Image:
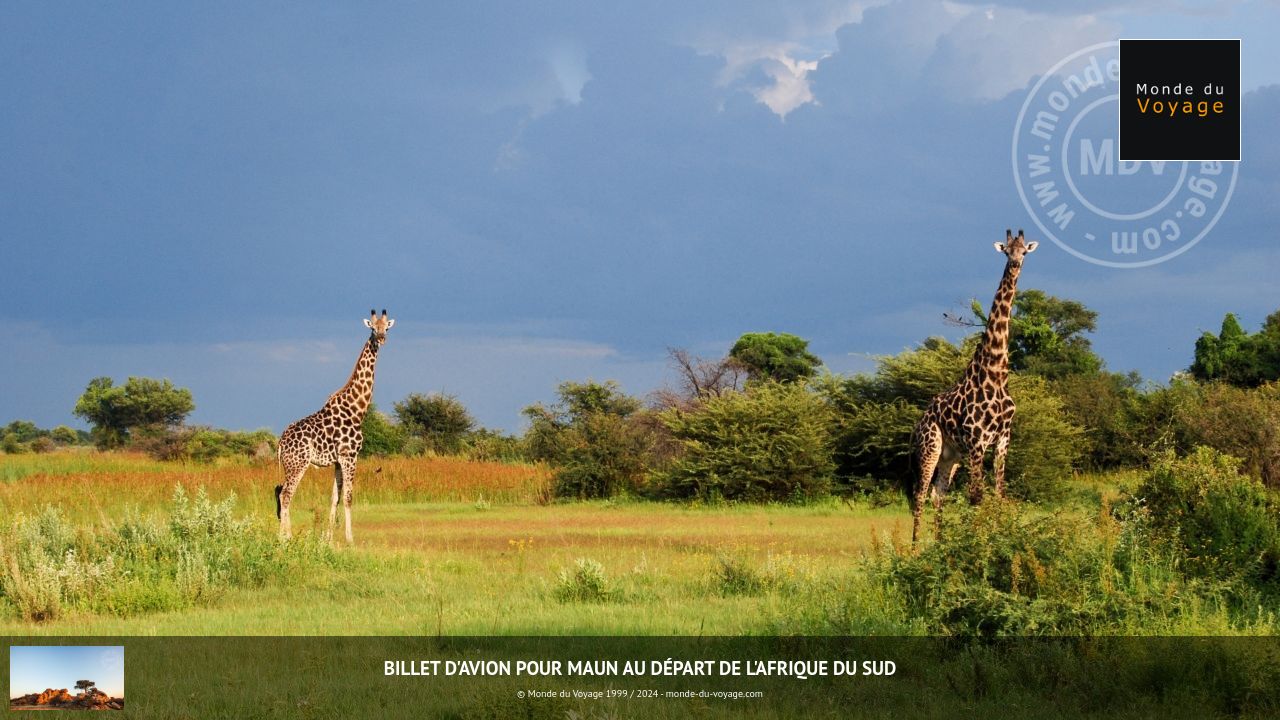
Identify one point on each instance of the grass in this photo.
(450, 547)
(117, 481)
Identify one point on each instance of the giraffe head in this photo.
(1016, 248)
(379, 326)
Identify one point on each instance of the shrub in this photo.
(1003, 570)
(205, 444)
(492, 446)
(596, 438)
(1222, 524)
(381, 436)
(1241, 422)
(64, 435)
(734, 575)
(1114, 415)
(584, 582)
(772, 442)
(1044, 445)
(141, 565)
(440, 420)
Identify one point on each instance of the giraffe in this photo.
(961, 424)
(332, 435)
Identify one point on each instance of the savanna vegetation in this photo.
(755, 494)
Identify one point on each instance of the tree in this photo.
(64, 435)
(441, 420)
(1237, 357)
(775, 356)
(84, 685)
(596, 437)
(381, 436)
(698, 378)
(1046, 335)
(771, 442)
(116, 411)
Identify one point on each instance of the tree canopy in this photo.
(1238, 357)
(441, 420)
(775, 356)
(116, 411)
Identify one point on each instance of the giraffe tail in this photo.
(279, 489)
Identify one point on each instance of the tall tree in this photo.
(775, 356)
(116, 411)
(1237, 357)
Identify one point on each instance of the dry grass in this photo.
(92, 482)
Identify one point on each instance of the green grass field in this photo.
(436, 564)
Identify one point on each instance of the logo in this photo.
(1082, 196)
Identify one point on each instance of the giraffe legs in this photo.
(928, 452)
(284, 496)
(977, 480)
(347, 468)
(1002, 449)
(946, 473)
(333, 502)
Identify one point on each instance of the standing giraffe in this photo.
(975, 415)
(332, 435)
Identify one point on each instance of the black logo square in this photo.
(1179, 99)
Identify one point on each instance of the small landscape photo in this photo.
(66, 677)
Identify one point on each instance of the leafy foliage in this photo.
(49, 568)
(1237, 357)
(116, 411)
(780, 357)
(1005, 570)
(1244, 423)
(440, 420)
(1222, 524)
(381, 436)
(772, 442)
(596, 438)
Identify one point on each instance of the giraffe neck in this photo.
(357, 394)
(992, 356)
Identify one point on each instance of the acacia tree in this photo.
(441, 420)
(775, 356)
(1237, 357)
(84, 685)
(116, 411)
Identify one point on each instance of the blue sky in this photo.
(34, 668)
(549, 191)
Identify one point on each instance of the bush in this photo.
(1241, 422)
(492, 446)
(440, 420)
(1115, 416)
(381, 436)
(772, 442)
(584, 582)
(1044, 445)
(141, 565)
(1002, 570)
(595, 437)
(1221, 524)
(206, 444)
